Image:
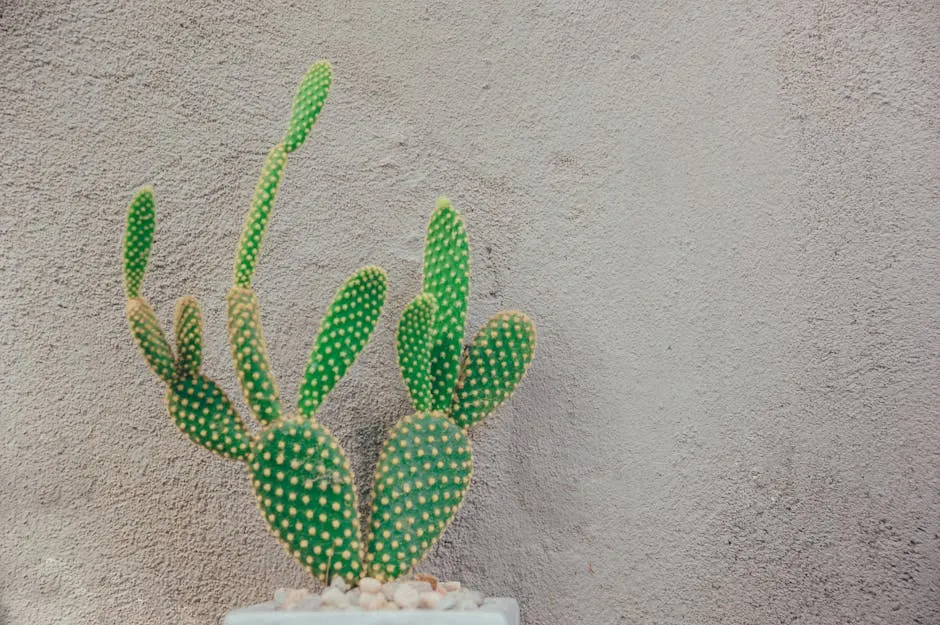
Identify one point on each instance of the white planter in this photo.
(497, 611)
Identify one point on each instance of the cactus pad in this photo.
(150, 338)
(138, 238)
(311, 95)
(188, 325)
(205, 414)
(306, 492)
(413, 342)
(498, 358)
(249, 246)
(423, 472)
(447, 278)
(344, 331)
(250, 354)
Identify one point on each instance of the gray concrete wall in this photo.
(722, 215)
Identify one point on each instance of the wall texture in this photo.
(723, 215)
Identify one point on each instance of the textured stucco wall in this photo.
(724, 217)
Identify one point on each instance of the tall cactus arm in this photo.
(250, 354)
(495, 364)
(345, 330)
(413, 342)
(311, 95)
(310, 98)
(249, 246)
(187, 322)
(150, 338)
(138, 238)
(447, 278)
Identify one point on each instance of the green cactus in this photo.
(426, 464)
(187, 323)
(494, 365)
(311, 95)
(265, 193)
(250, 355)
(345, 329)
(138, 239)
(197, 405)
(301, 477)
(306, 492)
(423, 472)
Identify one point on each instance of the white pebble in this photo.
(371, 601)
(420, 587)
(389, 590)
(449, 586)
(429, 600)
(406, 597)
(280, 596)
(466, 604)
(335, 598)
(309, 604)
(339, 583)
(370, 585)
(288, 598)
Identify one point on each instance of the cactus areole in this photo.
(301, 477)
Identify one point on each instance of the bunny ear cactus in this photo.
(426, 464)
(197, 405)
(301, 477)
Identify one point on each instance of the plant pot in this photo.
(495, 611)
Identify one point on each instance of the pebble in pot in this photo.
(407, 597)
(334, 598)
(371, 601)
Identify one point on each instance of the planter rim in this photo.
(494, 611)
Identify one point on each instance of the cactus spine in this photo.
(301, 477)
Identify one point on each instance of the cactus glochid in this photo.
(301, 477)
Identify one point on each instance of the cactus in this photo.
(197, 405)
(302, 480)
(426, 464)
(301, 477)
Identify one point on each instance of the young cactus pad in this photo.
(426, 464)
